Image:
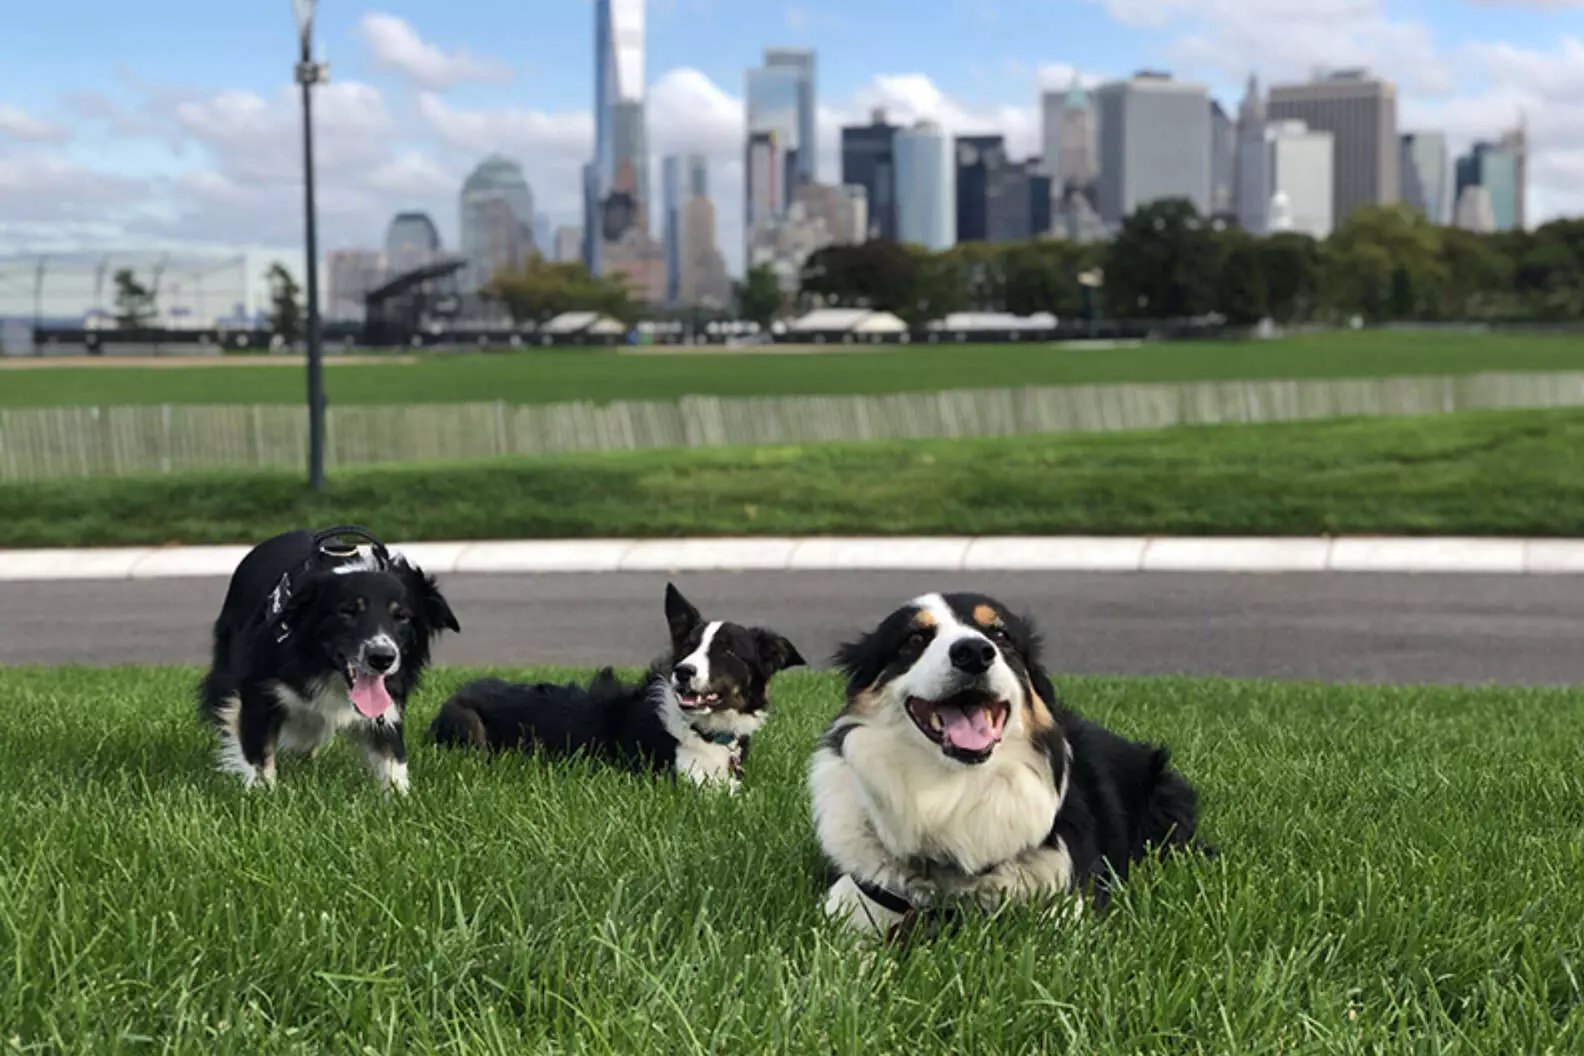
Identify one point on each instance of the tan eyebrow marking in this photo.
(924, 618)
(985, 616)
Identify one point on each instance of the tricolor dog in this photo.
(692, 715)
(317, 637)
(953, 775)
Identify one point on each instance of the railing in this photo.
(44, 443)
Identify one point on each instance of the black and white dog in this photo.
(315, 637)
(953, 775)
(692, 715)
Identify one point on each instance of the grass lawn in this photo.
(601, 375)
(1400, 873)
(1477, 473)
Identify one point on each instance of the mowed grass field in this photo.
(603, 375)
(1476, 473)
(1400, 872)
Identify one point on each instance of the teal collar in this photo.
(725, 740)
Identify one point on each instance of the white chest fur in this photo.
(312, 721)
(975, 817)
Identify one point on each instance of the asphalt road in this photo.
(1321, 626)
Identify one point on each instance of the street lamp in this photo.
(310, 73)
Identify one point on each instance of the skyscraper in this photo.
(1360, 112)
(980, 161)
(869, 161)
(1251, 191)
(926, 196)
(1077, 158)
(671, 222)
(771, 163)
(1427, 175)
(497, 216)
(1223, 159)
(1495, 168)
(617, 185)
(1301, 168)
(411, 242)
(1154, 144)
(801, 62)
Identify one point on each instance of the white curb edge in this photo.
(943, 554)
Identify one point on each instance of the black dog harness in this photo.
(328, 552)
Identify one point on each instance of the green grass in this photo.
(1477, 473)
(1400, 872)
(601, 375)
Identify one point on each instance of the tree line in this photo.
(1382, 263)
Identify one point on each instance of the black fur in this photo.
(622, 723)
(325, 620)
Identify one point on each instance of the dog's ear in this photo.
(1030, 645)
(777, 651)
(437, 611)
(681, 616)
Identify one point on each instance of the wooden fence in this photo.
(43, 443)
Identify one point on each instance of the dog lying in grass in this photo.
(692, 715)
(953, 775)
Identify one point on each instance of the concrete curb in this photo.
(972, 554)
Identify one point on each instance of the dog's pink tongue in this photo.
(971, 731)
(369, 696)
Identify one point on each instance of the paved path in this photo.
(1327, 626)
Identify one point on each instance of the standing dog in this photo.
(953, 774)
(316, 637)
(692, 715)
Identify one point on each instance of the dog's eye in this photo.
(917, 640)
(402, 616)
(997, 633)
(352, 608)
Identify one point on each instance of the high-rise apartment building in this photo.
(1301, 166)
(568, 244)
(1154, 144)
(999, 200)
(1474, 211)
(800, 61)
(671, 222)
(1427, 175)
(497, 216)
(1251, 191)
(616, 185)
(1223, 160)
(1360, 112)
(869, 161)
(926, 195)
(771, 164)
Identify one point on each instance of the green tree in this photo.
(1400, 250)
(759, 296)
(1041, 275)
(1241, 293)
(135, 307)
(1290, 263)
(286, 313)
(540, 290)
(1163, 263)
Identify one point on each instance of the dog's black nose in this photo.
(683, 673)
(973, 655)
(380, 658)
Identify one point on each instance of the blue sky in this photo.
(165, 121)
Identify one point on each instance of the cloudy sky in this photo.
(164, 122)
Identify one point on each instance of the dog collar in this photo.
(324, 554)
(725, 740)
(885, 898)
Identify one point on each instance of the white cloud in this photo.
(396, 45)
(18, 124)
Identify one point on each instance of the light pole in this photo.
(310, 73)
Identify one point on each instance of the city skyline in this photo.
(77, 150)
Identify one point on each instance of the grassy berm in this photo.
(1399, 872)
(1478, 473)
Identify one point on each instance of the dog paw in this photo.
(846, 904)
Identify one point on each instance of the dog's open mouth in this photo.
(967, 725)
(692, 701)
(367, 691)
